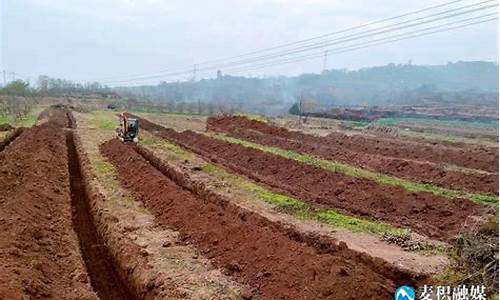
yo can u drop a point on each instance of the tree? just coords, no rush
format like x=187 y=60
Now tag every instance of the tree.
x=17 y=88
x=43 y=83
x=294 y=109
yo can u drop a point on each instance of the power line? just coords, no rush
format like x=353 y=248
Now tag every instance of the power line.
x=301 y=41
x=386 y=40
x=344 y=39
x=360 y=35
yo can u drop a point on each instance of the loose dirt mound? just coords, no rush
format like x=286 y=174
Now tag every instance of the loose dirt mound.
x=6 y=127
x=259 y=253
x=407 y=169
x=59 y=116
x=434 y=216
x=478 y=158
x=39 y=254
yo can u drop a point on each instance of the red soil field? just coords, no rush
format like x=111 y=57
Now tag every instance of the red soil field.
x=434 y=216
x=481 y=158
x=43 y=206
x=39 y=254
x=411 y=170
x=277 y=264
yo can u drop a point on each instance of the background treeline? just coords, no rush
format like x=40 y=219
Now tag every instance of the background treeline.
x=469 y=86
x=47 y=86
x=473 y=83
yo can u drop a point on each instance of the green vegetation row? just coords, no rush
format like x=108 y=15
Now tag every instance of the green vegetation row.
x=301 y=209
x=25 y=121
x=284 y=203
x=361 y=173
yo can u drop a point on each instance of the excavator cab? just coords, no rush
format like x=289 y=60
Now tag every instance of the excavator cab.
x=129 y=129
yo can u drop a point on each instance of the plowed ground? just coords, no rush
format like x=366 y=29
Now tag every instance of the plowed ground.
x=422 y=172
x=431 y=215
x=481 y=158
x=277 y=263
x=39 y=256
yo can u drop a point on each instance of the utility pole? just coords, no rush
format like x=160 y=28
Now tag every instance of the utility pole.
x=325 y=60
x=194 y=72
x=300 y=108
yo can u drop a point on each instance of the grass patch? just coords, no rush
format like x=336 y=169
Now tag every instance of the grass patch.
x=102 y=167
x=301 y=209
x=157 y=113
x=355 y=124
x=253 y=117
x=26 y=121
x=163 y=144
x=438 y=122
x=361 y=173
x=104 y=120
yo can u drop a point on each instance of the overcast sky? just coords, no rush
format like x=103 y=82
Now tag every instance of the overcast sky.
x=93 y=39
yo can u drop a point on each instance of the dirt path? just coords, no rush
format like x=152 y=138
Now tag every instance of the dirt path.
x=417 y=171
x=481 y=158
x=425 y=213
x=39 y=252
x=277 y=263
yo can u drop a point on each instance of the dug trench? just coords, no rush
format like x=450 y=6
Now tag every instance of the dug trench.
x=277 y=262
x=10 y=138
x=104 y=277
x=434 y=216
x=39 y=251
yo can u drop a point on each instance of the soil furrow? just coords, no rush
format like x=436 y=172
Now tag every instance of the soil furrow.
x=480 y=158
x=421 y=172
x=103 y=276
x=249 y=247
x=10 y=138
x=39 y=253
x=434 y=216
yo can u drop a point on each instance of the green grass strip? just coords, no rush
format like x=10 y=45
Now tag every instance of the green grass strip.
x=253 y=117
x=165 y=145
x=104 y=120
x=26 y=121
x=284 y=203
x=361 y=173
x=301 y=209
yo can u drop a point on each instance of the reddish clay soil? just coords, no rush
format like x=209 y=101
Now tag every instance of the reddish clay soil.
x=434 y=216
x=60 y=116
x=277 y=264
x=482 y=158
x=39 y=255
x=44 y=203
x=105 y=279
x=411 y=170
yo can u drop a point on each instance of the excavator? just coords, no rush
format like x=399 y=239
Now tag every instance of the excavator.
x=129 y=129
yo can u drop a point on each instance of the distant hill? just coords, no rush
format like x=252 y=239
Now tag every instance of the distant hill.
x=469 y=82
